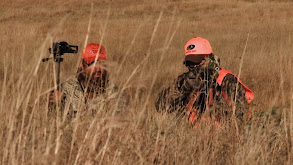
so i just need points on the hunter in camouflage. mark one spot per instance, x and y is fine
(90, 90)
(76, 99)
(200, 91)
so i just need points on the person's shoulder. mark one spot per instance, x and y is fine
(111, 87)
(183, 75)
(229, 79)
(71, 83)
(228, 75)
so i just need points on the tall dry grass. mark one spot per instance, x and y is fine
(145, 39)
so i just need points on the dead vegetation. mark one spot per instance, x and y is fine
(144, 39)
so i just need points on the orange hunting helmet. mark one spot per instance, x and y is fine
(93, 51)
(196, 49)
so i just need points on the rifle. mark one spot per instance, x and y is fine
(58, 49)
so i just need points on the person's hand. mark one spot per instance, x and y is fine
(55, 96)
(190, 82)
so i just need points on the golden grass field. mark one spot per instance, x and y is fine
(145, 40)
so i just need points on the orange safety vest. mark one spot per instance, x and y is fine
(248, 93)
(191, 111)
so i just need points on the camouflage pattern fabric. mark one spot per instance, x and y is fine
(76, 100)
(201, 79)
(229, 85)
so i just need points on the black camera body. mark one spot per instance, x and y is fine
(63, 47)
(58, 49)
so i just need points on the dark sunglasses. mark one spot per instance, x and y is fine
(190, 63)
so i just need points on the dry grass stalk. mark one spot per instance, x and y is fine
(145, 42)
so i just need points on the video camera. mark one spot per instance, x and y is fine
(63, 47)
(58, 49)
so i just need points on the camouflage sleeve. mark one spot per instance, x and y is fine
(175, 97)
(61, 104)
(229, 85)
(121, 98)
(122, 102)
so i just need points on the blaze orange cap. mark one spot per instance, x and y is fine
(198, 46)
(93, 51)
(196, 49)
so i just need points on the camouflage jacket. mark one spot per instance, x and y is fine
(177, 97)
(76, 99)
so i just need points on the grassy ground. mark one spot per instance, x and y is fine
(149, 35)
